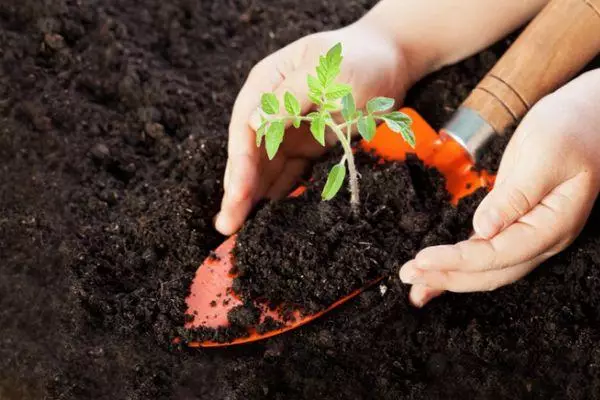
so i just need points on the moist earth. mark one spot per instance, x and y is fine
(112, 147)
(308, 253)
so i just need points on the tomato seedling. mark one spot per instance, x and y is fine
(331, 97)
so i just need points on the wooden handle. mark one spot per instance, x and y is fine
(556, 45)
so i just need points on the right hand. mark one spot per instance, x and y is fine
(374, 65)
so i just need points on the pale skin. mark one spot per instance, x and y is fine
(548, 179)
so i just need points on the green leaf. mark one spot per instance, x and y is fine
(334, 56)
(379, 104)
(322, 70)
(330, 106)
(400, 123)
(335, 179)
(393, 125)
(269, 103)
(273, 138)
(399, 117)
(337, 91)
(292, 106)
(409, 136)
(261, 132)
(315, 98)
(317, 128)
(314, 85)
(366, 127)
(348, 107)
(296, 122)
(330, 66)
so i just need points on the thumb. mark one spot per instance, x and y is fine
(296, 84)
(528, 181)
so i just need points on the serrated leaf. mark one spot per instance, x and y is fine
(314, 85)
(292, 106)
(273, 138)
(296, 122)
(330, 106)
(335, 179)
(317, 128)
(379, 104)
(337, 91)
(400, 123)
(393, 125)
(315, 98)
(348, 107)
(398, 117)
(269, 103)
(330, 66)
(334, 56)
(409, 136)
(366, 127)
(322, 69)
(260, 132)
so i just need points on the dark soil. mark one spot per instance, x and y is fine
(112, 147)
(309, 253)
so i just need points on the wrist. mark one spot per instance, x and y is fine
(412, 60)
(413, 51)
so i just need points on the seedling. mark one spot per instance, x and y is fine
(330, 97)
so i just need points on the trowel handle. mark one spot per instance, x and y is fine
(557, 44)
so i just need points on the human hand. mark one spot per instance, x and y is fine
(373, 65)
(545, 189)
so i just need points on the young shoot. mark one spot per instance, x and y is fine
(331, 97)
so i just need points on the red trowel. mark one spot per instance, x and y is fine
(561, 40)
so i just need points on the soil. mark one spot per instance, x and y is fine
(308, 253)
(112, 147)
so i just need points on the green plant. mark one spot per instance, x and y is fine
(331, 97)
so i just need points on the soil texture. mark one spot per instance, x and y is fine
(113, 131)
(308, 253)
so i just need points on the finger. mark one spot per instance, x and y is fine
(241, 175)
(422, 294)
(296, 84)
(283, 185)
(554, 220)
(236, 205)
(462, 282)
(519, 242)
(513, 197)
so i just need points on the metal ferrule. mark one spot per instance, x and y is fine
(470, 130)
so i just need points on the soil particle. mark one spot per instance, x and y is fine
(245, 315)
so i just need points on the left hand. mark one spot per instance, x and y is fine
(546, 186)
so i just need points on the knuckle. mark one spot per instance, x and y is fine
(439, 280)
(518, 202)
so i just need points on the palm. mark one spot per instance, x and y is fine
(372, 66)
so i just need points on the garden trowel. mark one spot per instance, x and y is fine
(559, 42)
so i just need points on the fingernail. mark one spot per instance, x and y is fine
(411, 275)
(426, 298)
(220, 224)
(488, 224)
(417, 293)
(255, 120)
(216, 219)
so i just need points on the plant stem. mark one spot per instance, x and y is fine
(353, 175)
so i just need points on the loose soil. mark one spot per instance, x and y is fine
(308, 253)
(112, 147)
